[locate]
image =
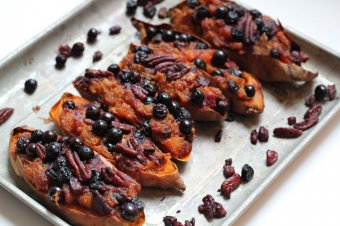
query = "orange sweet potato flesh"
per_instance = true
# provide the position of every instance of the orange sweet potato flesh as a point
(76, 213)
(240, 103)
(254, 57)
(122, 102)
(156, 169)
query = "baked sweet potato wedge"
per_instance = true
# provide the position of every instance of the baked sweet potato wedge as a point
(78, 184)
(131, 98)
(242, 89)
(123, 145)
(256, 42)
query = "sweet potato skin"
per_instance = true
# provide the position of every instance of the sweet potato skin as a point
(33, 173)
(162, 173)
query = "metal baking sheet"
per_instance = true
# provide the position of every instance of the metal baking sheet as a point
(202, 174)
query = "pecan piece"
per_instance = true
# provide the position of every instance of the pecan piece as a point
(123, 127)
(5, 113)
(92, 73)
(126, 150)
(85, 172)
(139, 92)
(100, 205)
(113, 178)
(284, 132)
(41, 152)
(75, 186)
(306, 124)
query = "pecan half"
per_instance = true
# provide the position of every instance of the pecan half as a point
(139, 92)
(92, 73)
(123, 127)
(126, 150)
(284, 132)
(112, 178)
(5, 113)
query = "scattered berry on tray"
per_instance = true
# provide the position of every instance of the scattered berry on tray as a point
(77, 49)
(291, 120)
(229, 185)
(263, 134)
(211, 209)
(253, 137)
(149, 10)
(30, 86)
(331, 90)
(60, 61)
(172, 221)
(92, 35)
(114, 30)
(247, 173)
(131, 7)
(5, 114)
(218, 136)
(286, 132)
(65, 50)
(97, 56)
(272, 157)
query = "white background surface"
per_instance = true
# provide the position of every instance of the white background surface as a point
(307, 193)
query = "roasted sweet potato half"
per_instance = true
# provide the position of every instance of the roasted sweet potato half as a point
(137, 101)
(256, 42)
(242, 89)
(125, 146)
(77, 183)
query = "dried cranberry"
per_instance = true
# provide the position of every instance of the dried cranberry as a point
(92, 35)
(291, 120)
(331, 90)
(229, 185)
(197, 97)
(60, 61)
(313, 112)
(77, 49)
(30, 86)
(114, 30)
(310, 101)
(228, 162)
(272, 157)
(97, 56)
(247, 173)
(160, 111)
(211, 209)
(228, 171)
(200, 63)
(263, 134)
(253, 136)
(250, 90)
(306, 124)
(219, 58)
(320, 92)
(114, 68)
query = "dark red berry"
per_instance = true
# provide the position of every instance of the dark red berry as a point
(77, 49)
(253, 137)
(247, 173)
(60, 61)
(211, 209)
(114, 30)
(228, 162)
(263, 134)
(291, 120)
(331, 90)
(228, 171)
(92, 35)
(30, 86)
(97, 56)
(282, 132)
(272, 157)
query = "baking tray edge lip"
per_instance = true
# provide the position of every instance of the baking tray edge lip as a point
(281, 167)
(46, 31)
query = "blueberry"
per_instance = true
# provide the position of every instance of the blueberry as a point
(200, 63)
(150, 88)
(320, 92)
(52, 151)
(60, 61)
(255, 13)
(151, 32)
(100, 127)
(69, 104)
(236, 72)
(259, 23)
(149, 12)
(59, 162)
(77, 49)
(64, 175)
(129, 211)
(247, 173)
(233, 87)
(217, 73)
(110, 147)
(142, 48)
(140, 56)
(31, 149)
(237, 34)
(239, 10)
(174, 108)
(126, 75)
(231, 17)
(164, 98)
(75, 143)
(92, 112)
(168, 36)
(49, 136)
(275, 53)
(92, 35)
(114, 68)
(184, 38)
(120, 199)
(107, 117)
(185, 126)
(139, 135)
(37, 135)
(149, 100)
(146, 128)
(184, 114)
(222, 106)
(131, 7)
(30, 86)
(160, 111)
(202, 12)
(219, 58)
(221, 12)
(64, 140)
(85, 153)
(250, 90)
(201, 45)
(55, 195)
(114, 135)
(197, 97)
(192, 3)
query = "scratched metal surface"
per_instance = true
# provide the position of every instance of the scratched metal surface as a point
(202, 174)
